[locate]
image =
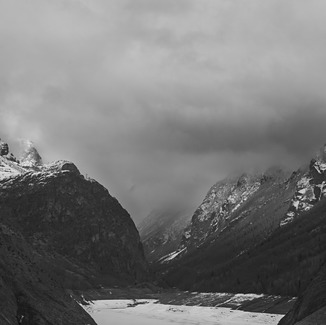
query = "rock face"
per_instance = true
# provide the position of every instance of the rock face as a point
(222, 200)
(311, 188)
(80, 231)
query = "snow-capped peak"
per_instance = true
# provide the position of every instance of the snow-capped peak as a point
(30, 158)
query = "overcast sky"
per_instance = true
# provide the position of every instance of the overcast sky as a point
(159, 99)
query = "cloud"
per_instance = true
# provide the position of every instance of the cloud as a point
(160, 99)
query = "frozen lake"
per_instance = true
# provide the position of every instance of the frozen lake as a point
(149, 312)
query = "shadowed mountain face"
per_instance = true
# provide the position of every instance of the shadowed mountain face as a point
(31, 289)
(311, 305)
(82, 234)
(76, 217)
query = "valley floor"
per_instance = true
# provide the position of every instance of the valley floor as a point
(148, 312)
(143, 306)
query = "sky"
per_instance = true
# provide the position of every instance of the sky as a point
(159, 99)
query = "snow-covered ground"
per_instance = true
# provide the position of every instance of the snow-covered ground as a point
(149, 312)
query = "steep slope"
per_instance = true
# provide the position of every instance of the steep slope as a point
(264, 247)
(246, 208)
(74, 216)
(161, 232)
(82, 235)
(311, 305)
(30, 290)
(224, 204)
(282, 264)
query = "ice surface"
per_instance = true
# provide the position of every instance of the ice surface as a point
(149, 312)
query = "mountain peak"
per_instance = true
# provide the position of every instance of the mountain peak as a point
(30, 157)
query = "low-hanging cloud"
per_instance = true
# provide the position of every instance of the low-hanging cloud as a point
(160, 99)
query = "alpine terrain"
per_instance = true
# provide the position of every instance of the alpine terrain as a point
(59, 231)
(261, 233)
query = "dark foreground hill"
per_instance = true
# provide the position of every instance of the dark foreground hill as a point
(60, 231)
(31, 286)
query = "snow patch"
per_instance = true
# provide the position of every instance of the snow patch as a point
(171, 256)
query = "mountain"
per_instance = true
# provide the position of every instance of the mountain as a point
(262, 233)
(162, 230)
(246, 208)
(82, 235)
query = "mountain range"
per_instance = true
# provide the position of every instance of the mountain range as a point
(62, 233)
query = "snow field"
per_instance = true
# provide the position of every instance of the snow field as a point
(149, 312)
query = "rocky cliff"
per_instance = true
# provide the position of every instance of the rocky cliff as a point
(310, 188)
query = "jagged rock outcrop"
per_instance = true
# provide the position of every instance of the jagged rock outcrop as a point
(311, 188)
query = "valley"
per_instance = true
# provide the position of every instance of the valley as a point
(166, 306)
(253, 252)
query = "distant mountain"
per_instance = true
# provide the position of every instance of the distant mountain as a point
(162, 230)
(82, 234)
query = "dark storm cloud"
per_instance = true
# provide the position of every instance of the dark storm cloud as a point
(159, 99)
(298, 132)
